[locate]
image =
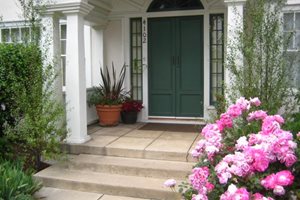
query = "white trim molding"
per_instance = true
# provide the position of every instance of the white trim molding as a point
(73, 7)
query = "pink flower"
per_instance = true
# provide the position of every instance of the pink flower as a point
(243, 103)
(234, 193)
(279, 190)
(258, 196)
(255, 139)
(289, 159)
(209, 186)
(199, 197)
(195, 153)
(199, 179)
(241, 143)
(256, 115)
(234, 111)
(198, 151)
(269, 182)
(260, 161)
(279, 119)
(211, 143)
(270, 124)
(170, 183)
(284, 178)
(210, 127)
(255, 101)
(242, 194)
(224, 122)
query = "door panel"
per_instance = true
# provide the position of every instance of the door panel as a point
(161, 71)
(189, 71)
(176, 66)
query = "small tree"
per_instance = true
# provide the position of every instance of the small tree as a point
(265, 70)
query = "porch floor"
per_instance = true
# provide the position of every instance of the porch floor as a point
(140, 143)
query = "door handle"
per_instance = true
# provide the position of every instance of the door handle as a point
(173, 60)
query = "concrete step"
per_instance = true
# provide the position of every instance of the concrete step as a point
(131, 166)
(110, 184)
(126, 152)
(48, 193)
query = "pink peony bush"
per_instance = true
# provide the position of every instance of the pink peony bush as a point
(244, 155)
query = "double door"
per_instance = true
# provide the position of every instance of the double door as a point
(175, 60)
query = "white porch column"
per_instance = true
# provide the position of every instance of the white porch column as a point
(75, 78)
(235, 14)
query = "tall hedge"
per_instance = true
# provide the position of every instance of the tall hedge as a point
(32, 120)
(20, 73)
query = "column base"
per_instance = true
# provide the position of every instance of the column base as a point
(78, 140)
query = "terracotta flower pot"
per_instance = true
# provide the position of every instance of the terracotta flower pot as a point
(109, 115)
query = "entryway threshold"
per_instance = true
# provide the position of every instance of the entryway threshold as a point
(166, 120)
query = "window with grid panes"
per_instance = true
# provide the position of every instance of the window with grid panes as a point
(216, 56)
(136, 58)
(291, 29)
(15, 34)
(63, 43)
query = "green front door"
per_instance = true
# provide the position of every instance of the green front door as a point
(175, 56)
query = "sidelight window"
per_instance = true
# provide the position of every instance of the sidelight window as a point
(216, 56)
(136, 58)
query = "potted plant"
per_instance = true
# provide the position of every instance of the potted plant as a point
(130, 109)
(108, 97)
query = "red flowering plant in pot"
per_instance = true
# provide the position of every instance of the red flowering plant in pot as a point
(130, 109)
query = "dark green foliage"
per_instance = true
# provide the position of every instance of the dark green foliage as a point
(33, 121)
(264, 72)
(17, 68)
(186, 190)
(94, 96)
(15, 184)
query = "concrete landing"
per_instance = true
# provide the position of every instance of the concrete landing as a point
(129, 141)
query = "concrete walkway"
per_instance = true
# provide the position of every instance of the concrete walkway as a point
(47, 193)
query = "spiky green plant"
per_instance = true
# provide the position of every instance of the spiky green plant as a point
(110, 91)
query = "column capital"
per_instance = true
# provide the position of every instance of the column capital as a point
(235, 2)
(69, 8)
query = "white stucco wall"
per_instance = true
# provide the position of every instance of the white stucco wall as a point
(291, 2)
(113, 44)
(10, 10)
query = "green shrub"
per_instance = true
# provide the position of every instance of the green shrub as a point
(33, 121)
(15, 184)
(17, 70)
